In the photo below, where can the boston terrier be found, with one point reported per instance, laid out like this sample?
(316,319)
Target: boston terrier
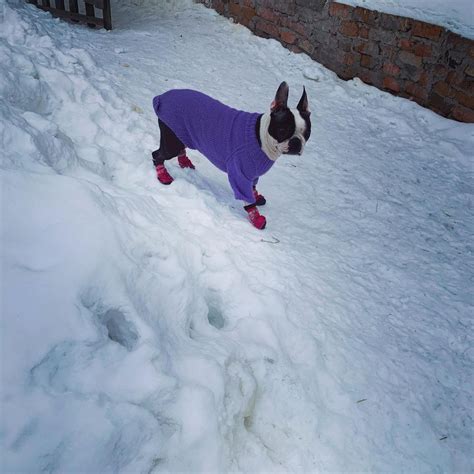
(244,145)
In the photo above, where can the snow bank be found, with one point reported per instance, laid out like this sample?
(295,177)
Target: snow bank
(455,15)
(152,329)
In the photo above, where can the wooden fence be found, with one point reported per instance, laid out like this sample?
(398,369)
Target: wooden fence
(79,11)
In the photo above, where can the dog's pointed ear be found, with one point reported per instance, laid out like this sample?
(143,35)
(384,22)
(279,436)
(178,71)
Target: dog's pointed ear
(281,97)
(303,103)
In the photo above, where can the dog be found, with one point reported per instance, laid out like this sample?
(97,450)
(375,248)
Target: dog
(242,144)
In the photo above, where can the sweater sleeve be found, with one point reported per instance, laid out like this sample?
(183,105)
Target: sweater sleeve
(241,184)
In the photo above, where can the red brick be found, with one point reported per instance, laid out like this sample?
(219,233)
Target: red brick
(287,36)
(299,28)
(416,91)
(340,10)
(467,87)
(422,49)
(424,79)
(440,71)
(248,14)
(463,114)
(406,44)
(369,17)
(349,28)
(426,30)
(391,69)
(465,99)
(364,32)
(366,61)
(267,27)
(268,14)
(443,89)
(366,76)
(391,84)
(349,59)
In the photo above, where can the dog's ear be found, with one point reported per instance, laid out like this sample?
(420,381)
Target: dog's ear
(281,97)
(303,103)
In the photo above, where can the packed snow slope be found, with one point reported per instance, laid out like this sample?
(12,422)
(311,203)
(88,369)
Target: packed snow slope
(151,329)
(455,15)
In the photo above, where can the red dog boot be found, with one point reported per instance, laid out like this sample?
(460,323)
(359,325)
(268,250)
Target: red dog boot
(259,199)
(163,175)
(255,218)
(185,162)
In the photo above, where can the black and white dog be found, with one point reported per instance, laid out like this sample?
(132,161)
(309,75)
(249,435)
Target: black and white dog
(244,145)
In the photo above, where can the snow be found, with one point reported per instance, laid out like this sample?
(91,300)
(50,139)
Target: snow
(151,329)
(455,15)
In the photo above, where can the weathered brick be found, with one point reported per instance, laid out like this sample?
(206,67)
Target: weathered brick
(267,27)
(368,47)
(464,99)
(366,76)
(422,49)
(457,42)
(439,103)
(406,44)
(463,114)
(349,28)
(416,91)
(391,69)
(467,86)
(443,89)
(424,79)
(394,23)
(303,29)
(288,36)
(391,84)
(363,32)
(440,71)
(369,17)
(426,30)
(340,10)
(367,61)
(349,59)
(269,15)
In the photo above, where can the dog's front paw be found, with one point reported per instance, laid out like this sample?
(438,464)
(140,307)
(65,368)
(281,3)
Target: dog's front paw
(255,217)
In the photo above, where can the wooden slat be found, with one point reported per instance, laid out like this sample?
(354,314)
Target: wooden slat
(73,7)
(96,3)
(107,14)
(74,16)
(73,13)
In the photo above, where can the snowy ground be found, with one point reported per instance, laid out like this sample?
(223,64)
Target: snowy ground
(152,329)
(456,15)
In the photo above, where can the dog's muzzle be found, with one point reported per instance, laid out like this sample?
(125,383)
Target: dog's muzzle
(295,146)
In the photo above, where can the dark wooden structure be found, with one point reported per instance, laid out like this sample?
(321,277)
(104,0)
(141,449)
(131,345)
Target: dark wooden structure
(79,11)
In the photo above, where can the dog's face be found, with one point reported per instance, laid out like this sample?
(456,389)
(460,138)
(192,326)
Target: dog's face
(291,128)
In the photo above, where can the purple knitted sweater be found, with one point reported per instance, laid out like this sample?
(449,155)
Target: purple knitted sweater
(226,136)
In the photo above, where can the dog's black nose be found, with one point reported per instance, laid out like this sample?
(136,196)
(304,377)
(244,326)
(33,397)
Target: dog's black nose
(294,146)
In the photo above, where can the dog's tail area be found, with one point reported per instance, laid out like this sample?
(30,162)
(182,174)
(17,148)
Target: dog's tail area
(156,104)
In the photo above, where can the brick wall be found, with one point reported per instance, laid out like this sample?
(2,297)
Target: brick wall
(420,61)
